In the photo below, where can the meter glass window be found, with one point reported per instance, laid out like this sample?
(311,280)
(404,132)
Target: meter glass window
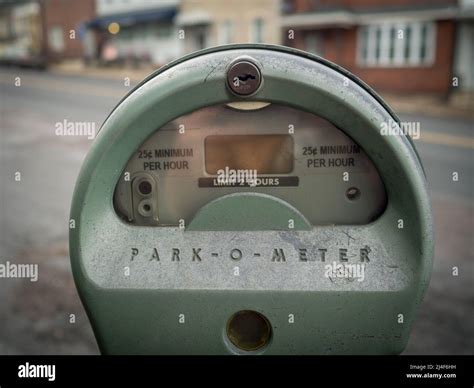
(266,154)
(289,154)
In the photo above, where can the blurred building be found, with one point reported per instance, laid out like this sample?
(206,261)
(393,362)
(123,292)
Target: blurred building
(208,23)
(400,46)
(464,53)
(21,39)
(136,31)
(405,46)
(63,27)
(38,32)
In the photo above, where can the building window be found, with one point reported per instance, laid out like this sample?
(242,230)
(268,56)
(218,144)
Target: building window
(164,31)
(4,27)
(226,36)
(257,30)
(198,39)
(56,39)
(397,44)
(313,42)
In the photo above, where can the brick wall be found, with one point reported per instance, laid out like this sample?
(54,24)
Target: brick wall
(339,45)
(430,79)
(315,5)
(67,14)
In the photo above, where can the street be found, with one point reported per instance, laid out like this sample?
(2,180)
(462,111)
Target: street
(47,317)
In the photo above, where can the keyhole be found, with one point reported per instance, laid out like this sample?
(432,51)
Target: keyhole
(246,77)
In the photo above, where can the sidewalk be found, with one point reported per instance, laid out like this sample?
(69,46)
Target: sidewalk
(78,68)
(457,106)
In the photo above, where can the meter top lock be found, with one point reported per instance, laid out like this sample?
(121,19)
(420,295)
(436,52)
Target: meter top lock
(243,200)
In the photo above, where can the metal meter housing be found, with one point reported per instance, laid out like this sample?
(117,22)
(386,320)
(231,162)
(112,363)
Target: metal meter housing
(168,260)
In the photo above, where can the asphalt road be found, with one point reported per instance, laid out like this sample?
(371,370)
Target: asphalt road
(35,318)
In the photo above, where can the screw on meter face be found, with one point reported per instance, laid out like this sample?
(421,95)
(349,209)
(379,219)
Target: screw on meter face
(244,77)
(279,223)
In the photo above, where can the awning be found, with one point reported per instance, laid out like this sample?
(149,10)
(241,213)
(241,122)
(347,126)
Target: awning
(345,18)
(132,18)
(320,19)
(194,18)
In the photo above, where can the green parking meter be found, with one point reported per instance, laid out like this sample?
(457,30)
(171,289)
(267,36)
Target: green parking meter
(244,200)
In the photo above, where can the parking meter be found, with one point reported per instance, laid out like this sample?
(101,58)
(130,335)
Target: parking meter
(244,200)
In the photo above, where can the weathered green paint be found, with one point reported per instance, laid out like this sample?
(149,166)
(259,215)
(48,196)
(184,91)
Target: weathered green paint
(145,320)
